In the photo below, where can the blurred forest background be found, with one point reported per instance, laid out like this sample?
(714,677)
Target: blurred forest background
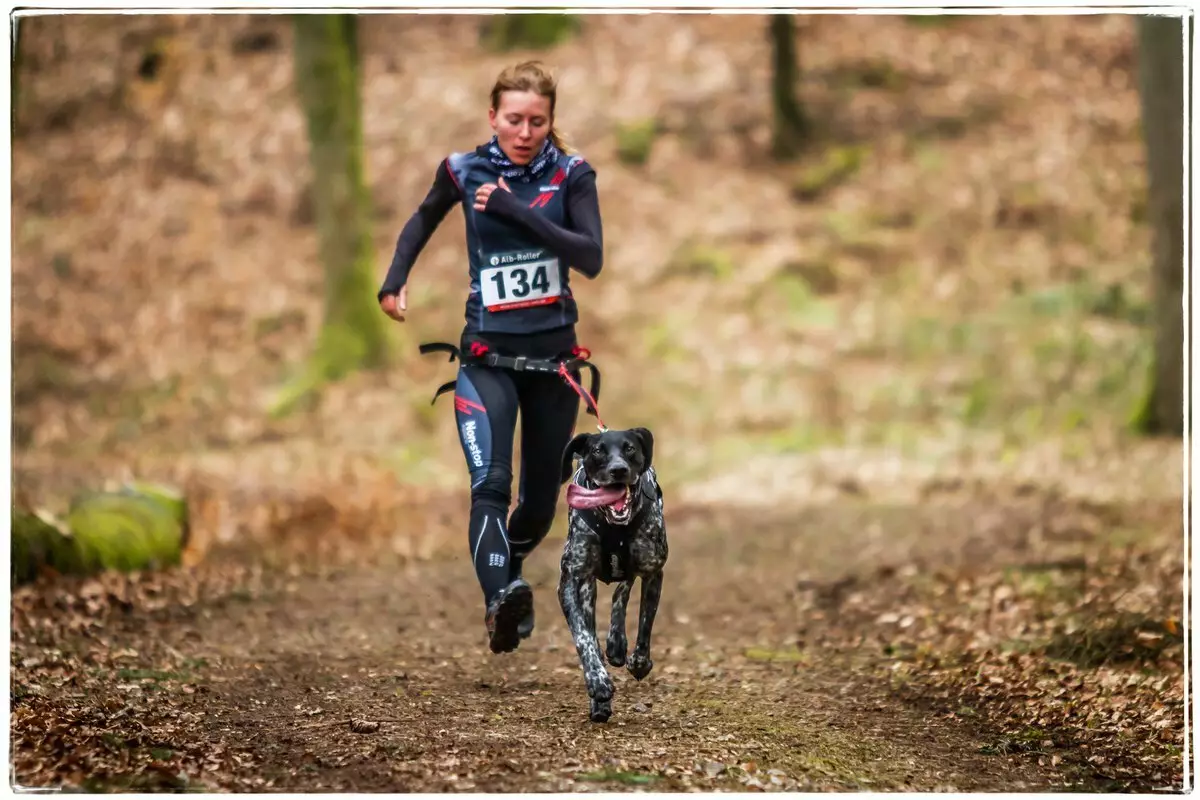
(839,250)
(899,296)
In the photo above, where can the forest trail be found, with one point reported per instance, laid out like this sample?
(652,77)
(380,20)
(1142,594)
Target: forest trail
(758,681)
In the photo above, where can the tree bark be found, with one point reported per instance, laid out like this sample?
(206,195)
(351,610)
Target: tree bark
(1160,60)
(15,76)
(790,127)
(327,78)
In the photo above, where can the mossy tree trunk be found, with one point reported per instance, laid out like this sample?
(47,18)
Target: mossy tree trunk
(790,126)
(353,334)
(1160,57)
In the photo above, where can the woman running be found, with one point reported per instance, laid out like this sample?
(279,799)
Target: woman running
(531,213)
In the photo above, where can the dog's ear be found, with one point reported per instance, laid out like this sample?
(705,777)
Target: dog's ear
(647,439)
(573,448)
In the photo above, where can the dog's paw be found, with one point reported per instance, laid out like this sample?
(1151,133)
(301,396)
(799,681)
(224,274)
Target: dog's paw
(616,650)
(640,666)
(601,688)
(601,710)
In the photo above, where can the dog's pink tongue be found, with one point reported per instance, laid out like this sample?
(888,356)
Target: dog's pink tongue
(579,497)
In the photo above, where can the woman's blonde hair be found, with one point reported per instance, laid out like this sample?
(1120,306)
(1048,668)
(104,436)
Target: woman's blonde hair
(531,76)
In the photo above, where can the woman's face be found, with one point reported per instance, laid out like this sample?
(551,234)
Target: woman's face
(521,123)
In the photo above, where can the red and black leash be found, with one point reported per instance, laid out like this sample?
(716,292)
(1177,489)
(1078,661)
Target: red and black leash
(583,354)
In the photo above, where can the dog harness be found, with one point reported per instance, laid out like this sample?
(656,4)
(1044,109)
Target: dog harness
(481,355)
(615,539)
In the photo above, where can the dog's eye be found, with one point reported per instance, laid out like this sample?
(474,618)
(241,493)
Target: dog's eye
(628,448)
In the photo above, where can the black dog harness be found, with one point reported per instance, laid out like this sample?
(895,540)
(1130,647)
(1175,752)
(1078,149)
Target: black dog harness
(615,539)
(481,355)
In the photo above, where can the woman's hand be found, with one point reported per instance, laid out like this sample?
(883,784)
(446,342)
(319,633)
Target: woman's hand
(394,305)
(484,192)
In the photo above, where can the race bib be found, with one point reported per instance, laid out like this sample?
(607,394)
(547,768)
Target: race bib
(513,282)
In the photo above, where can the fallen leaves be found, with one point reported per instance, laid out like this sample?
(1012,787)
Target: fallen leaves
(1077,661)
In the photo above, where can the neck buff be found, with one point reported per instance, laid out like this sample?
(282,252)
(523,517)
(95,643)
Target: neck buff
(522,172)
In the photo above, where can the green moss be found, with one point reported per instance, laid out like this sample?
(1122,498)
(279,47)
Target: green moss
(36,541)
(124,531)
(635,140)
(618,776)
(836,166)
(696,260)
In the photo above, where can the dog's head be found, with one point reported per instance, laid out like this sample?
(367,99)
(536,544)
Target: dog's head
(611,460)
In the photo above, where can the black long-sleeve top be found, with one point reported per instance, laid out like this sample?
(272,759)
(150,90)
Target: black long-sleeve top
(581,244)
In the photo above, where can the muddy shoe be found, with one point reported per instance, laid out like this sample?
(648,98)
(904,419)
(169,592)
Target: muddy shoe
(512,605)
(525,629)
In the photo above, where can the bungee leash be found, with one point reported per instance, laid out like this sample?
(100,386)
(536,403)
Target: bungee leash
(480,354)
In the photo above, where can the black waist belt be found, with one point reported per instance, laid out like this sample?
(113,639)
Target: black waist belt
(518,364)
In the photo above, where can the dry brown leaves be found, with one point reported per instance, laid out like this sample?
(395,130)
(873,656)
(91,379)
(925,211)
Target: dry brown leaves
(93,714)
(1074,660)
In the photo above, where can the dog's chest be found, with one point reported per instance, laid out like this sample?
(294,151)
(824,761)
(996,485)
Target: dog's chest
(626,551)
(615,552)
(629,550)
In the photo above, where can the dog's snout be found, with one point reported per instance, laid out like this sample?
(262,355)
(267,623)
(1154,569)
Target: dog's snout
(619,472)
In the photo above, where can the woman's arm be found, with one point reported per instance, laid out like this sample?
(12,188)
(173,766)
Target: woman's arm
(581,245)
(442,196)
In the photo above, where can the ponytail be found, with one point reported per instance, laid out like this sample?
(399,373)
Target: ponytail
(558,140)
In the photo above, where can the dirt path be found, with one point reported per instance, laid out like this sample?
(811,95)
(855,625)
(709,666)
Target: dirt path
(257,688)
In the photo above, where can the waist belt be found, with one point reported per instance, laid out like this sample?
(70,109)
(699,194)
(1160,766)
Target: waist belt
(481,356)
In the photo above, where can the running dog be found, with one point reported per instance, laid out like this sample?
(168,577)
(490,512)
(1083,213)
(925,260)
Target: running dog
(616,533)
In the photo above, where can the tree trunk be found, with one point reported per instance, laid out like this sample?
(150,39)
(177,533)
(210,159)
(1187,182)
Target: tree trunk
(790,124)
(15,77)
(353,333)
(1160,58)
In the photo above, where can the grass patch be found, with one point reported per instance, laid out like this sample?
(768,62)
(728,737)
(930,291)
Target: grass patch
(157,676)
(837,165)
(696,260)
(800,306)
(802,437)
(660,340)
(619,776)
(1081,298)
(1029,740)
(635,141)
(819,276)
(1054,361)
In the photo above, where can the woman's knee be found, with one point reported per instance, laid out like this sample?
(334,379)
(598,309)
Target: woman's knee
(492,487)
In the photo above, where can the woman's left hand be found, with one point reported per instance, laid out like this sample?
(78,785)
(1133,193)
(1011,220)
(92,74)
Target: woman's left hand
(484,192)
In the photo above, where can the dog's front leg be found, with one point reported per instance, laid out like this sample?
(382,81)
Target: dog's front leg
(617,646)
(640,663)
(577,596)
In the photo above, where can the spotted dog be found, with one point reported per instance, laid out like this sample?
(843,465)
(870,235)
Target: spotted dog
(615,533)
